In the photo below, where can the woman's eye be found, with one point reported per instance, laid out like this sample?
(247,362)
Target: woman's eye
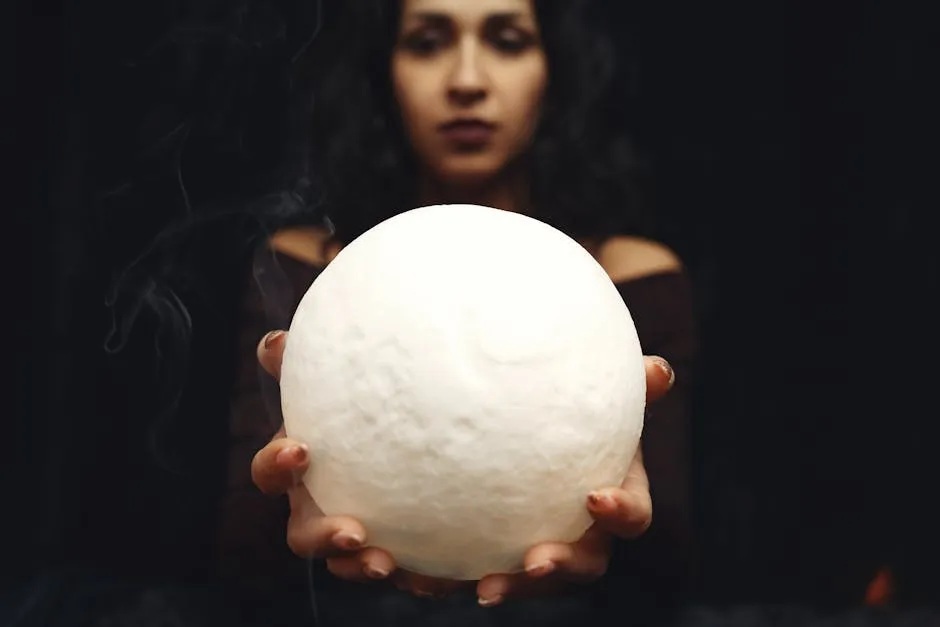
(424,42)
(427,41)
(511,40)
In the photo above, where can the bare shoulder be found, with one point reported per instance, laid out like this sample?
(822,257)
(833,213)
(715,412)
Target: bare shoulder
(307,244)
(627,258)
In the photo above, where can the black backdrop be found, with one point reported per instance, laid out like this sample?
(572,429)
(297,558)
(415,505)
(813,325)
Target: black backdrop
(790,145)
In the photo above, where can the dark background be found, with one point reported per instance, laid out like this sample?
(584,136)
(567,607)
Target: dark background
(790,146)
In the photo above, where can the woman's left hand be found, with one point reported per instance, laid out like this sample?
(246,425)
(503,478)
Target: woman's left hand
(625,512)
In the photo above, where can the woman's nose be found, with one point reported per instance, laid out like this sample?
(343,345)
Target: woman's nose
(467,83)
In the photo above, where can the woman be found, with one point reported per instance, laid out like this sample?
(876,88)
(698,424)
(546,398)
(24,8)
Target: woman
(499,103)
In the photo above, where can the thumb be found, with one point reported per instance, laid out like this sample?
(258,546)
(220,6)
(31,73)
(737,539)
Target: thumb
(271,352)
(659,377)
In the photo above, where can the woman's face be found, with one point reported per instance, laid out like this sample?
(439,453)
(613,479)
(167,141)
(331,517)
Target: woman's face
(469,76)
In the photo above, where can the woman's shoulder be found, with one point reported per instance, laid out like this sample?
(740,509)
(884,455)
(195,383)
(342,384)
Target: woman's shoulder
(629,258)
(283,269)
(655,285)
(309,245)
(626,258)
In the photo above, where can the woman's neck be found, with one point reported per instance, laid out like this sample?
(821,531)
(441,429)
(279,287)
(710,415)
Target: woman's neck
(508,193)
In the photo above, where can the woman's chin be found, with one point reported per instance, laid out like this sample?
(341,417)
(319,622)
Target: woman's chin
(468,176)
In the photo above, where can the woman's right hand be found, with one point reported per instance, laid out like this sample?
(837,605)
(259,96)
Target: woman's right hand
(279,468)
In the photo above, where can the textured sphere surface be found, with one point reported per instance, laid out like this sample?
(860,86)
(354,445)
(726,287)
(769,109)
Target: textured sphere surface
(464,377)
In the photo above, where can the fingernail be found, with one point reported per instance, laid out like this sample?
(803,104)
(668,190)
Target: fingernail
(601,501)
(540,570)
(666,368)
(347,540)
(293,454)
(490,601)
(272,338)
(374,572)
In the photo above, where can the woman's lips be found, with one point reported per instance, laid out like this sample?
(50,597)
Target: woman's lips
(468,132)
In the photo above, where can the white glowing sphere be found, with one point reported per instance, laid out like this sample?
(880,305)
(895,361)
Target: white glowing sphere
(464,377)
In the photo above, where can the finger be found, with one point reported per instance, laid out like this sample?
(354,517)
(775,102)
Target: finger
(493,590)
(346,567)
(376,564)
(579,562)
(660,377)
(280,465)
(312,535)
(429,587)
(551,567)
(369,564)
(271,352)
(626,513)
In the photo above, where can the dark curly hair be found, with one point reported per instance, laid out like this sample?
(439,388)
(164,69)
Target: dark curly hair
(268,124)
(584,170)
